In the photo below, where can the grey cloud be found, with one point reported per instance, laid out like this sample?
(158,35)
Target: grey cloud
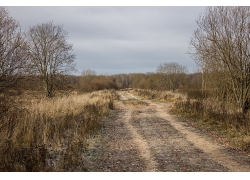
(120,39)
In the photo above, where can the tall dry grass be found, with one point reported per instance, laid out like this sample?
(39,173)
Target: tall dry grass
(48,134)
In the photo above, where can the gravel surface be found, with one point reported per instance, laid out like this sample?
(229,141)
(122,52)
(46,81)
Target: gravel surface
(141,136)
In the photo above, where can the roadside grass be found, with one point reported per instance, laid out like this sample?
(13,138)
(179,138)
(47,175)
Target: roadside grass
(161,96)
(40,134)
(228,126)
(224,122)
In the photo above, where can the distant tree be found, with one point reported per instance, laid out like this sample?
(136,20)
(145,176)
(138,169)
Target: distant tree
(221,47)
(171,75)
(49,53)
(89,81)
(88,72)
(87,77)
(122,80)
(138,80)
(13,50)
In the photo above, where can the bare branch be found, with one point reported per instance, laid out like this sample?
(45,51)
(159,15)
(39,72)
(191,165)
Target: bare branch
(49,53)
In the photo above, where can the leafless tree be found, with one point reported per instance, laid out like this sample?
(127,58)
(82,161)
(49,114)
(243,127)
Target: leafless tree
(221,46)
(171,75)
(87,77)
(12,50)
(49,53)
(89,81)
(122,80)
(88,72)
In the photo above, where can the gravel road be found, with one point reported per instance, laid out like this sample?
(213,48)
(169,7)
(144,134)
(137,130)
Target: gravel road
(142,136)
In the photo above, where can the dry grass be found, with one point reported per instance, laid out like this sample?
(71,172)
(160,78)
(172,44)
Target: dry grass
(135,102)
(225,122)
(162,96)
(43,134)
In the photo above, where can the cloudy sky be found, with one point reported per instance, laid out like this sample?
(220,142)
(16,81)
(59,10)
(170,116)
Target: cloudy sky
(120,39)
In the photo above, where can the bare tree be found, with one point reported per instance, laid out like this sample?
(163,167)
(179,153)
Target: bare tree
(221,46)
(86,79)
(12,50)
(49,53)
(88,72)
(171,75)
(89,81)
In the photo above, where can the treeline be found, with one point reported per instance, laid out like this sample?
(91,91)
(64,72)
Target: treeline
(186,83)
(89,82)
(168,80)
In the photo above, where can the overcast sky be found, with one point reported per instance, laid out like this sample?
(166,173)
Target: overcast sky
(114,40)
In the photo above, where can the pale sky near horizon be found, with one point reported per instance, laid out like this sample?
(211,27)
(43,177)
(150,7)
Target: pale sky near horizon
(120,39)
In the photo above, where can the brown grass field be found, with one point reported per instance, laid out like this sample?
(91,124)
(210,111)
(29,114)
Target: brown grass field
(41,134)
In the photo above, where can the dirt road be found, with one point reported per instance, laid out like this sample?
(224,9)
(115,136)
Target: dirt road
(141,135)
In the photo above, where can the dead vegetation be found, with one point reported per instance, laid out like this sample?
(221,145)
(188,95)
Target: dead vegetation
(162,96)
(42,134)
(229,126)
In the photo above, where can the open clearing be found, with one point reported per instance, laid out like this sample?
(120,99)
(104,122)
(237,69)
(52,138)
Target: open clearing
(141,135)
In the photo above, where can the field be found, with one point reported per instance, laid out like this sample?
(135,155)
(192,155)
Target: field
(108,130)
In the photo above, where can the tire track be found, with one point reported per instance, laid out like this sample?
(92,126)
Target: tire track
(213,150)
(142,145)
